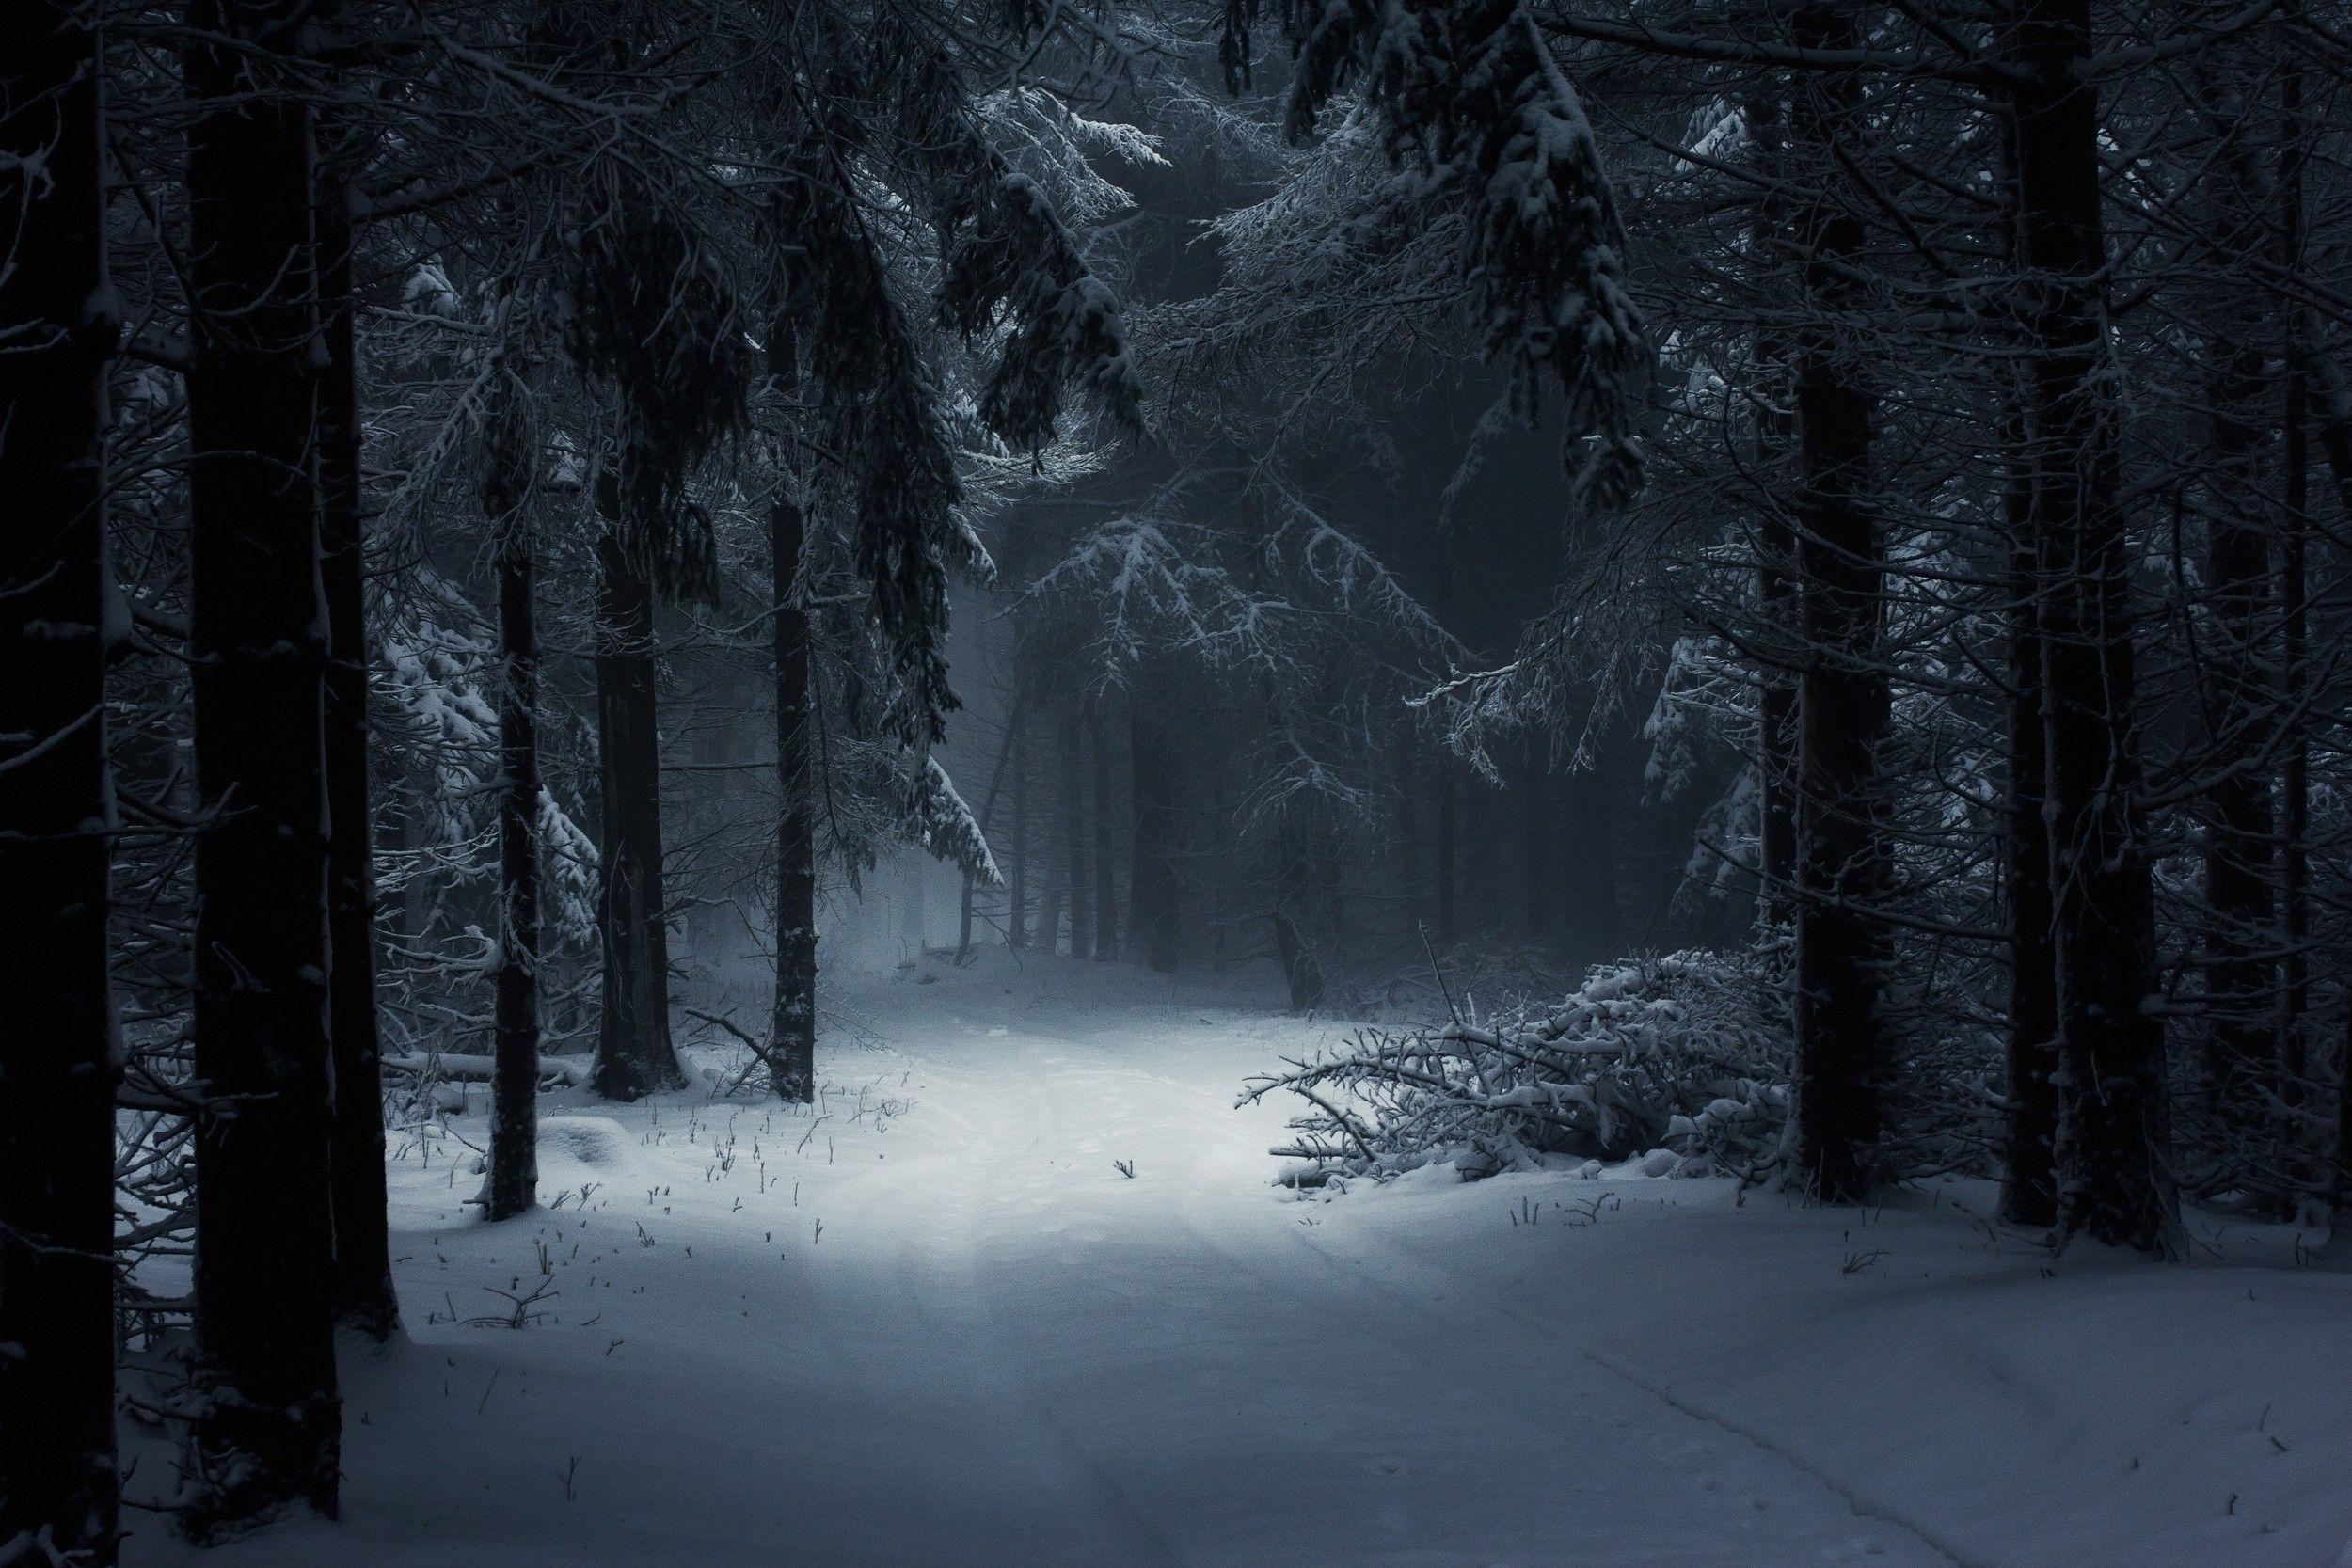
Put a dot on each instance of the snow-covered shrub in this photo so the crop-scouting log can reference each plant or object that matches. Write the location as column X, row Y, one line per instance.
column 1682, row 1060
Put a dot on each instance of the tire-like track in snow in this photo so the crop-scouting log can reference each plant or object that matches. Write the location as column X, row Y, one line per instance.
column 1209, row 1381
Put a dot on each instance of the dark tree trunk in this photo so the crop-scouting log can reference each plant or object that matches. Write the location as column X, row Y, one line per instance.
column 1446, row 871
column 1776, row 736
column 2030, row 1179
column 2238, row 827
column 1155, row 919
column 2328, row 404
column 2029, row 1131
column 1106, row 838
column 1017, row 892
column 1842, row 702
column 1302, row 972
column 363, row 1263
column 419, row 834
column 1540, row 866
column 513, row 1183
column 2233, row 661
column 1408, row 883
column 963, row 919
column 792, row 1044
column 57, row 1061
column 2295, row 792
column 1052, row 878
column 1069, row 733
column 987, row 815
column 634, row 1054
column 2112, row 1139
column 2294, row 797
column 266, row 1431
column 1594, row 918
column 1776, row 563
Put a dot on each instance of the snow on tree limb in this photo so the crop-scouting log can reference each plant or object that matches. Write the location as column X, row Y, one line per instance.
column 1478, row 112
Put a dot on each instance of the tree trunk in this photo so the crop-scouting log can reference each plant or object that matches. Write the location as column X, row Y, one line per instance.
column 987, row 815
column 1776, row 739
column 1842, row 700
column 2233, row 664
column 1069, row 733
column 1054, row 878
column 58, row 1063
column 635, row 1055
column 2030, row 1181
column 2112, row 1139
column 1540, row 866
column 2030, row 1132
column 792, row 1044
column 1154, row 923
column 1593, row 920
column 513, row 1182
column 1408, row 883
column 420, row 835
column 2293, row 810
column 1446, row 873
column 2294, row 800
column 1017, row 891
column 363, row 1264
column 1776, row 562
column 2238, row 828
column 266, row 1431
column 1302, row 974
column 1106, row 838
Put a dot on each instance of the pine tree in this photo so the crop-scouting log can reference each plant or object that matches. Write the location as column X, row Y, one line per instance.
column 658, row 325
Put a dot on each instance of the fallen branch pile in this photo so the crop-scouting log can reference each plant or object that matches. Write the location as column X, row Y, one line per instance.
column 1681, row 1060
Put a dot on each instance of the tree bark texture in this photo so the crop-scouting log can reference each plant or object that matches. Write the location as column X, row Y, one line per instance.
column 2113, row 1184
column 59, row 1057
column 792, row 1046
column 1776, row 556
column 1842, row 695
column 2029, row 1178
column 1154, row 916
column 266, row 1433
column 364, row 1299
column 514, row 1179
column 1070, row 737
column 634, row 1053
column 1097, row 738
column 2233, row 656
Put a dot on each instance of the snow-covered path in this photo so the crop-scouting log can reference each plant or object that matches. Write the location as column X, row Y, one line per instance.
column 1175, row 1367
column 934, row 1323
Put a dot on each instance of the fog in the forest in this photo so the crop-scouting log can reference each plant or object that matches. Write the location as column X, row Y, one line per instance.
column 940, row 783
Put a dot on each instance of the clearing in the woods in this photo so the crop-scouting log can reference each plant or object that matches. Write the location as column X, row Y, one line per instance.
column 937, row 1321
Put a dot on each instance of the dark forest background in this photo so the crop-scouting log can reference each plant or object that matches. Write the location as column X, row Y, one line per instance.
column 1813, row 534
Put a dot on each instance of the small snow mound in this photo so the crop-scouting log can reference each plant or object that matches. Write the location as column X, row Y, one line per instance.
column 1660, row 1161
column 598, row 1142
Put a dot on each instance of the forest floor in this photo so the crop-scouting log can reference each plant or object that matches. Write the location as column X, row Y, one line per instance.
column 933, row 1322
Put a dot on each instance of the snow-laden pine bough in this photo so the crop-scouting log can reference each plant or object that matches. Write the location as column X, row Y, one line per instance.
column 1680, row 1061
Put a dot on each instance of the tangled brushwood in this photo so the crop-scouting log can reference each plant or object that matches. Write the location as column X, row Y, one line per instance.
column 1681, row 1061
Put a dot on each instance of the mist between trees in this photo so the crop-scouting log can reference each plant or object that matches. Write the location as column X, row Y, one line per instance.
column 1834, row 514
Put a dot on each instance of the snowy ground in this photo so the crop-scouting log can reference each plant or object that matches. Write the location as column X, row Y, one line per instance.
column 933, row 1323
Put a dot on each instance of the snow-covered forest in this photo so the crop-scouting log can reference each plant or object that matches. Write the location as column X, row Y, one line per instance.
column 1228, row 782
